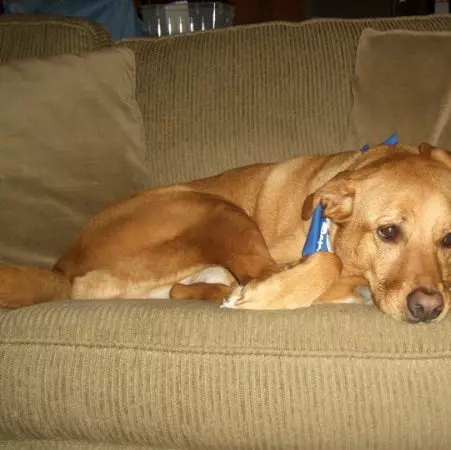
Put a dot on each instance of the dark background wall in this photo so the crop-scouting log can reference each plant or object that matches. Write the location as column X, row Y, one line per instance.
column 253, row 11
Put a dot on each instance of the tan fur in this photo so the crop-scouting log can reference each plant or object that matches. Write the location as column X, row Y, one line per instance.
column 23, row 286
column 253, row 222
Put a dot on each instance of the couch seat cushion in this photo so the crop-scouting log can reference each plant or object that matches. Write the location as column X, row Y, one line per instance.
column 167, row 374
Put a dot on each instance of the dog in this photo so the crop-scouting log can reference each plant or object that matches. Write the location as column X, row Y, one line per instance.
column 237, row 238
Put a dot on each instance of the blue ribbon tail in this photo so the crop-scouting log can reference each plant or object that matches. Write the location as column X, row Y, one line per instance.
column 391, row 140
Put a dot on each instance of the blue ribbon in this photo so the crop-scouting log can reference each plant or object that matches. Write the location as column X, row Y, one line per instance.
column 318, row 234
column 392, row 140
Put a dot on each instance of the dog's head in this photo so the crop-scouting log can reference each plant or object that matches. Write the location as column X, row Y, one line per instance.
column 392, row 216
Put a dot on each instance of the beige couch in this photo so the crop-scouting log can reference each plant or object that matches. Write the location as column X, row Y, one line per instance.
column 166, row 375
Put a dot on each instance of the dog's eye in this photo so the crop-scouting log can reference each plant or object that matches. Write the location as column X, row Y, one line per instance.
column 447, row 241
column 390, row 233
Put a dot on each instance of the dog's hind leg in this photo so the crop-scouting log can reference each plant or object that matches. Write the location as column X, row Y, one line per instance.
column 200, row 291
column 229, row 239
column 208, row 232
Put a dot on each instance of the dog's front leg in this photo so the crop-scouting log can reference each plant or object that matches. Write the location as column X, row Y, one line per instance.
column 347, row 290
column 296, row 287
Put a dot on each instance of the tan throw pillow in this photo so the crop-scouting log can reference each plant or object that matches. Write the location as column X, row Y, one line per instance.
column 71, row 141
column 402, row 83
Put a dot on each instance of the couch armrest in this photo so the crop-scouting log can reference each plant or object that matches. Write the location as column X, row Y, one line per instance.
column 168, row 374
column 30, row 35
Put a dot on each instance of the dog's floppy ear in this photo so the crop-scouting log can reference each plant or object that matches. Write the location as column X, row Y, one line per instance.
column 429, row 151
column 336, row 196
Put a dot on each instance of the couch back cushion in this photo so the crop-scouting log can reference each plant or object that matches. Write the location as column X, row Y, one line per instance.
column 215, row 100
column 25, row 36
column 410, row 92
column 71, row 141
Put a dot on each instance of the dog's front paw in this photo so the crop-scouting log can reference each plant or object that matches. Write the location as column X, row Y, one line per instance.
column 265, row 294
column 245, row 297
column 233, row 300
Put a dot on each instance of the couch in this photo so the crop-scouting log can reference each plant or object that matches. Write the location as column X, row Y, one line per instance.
column 171, row 374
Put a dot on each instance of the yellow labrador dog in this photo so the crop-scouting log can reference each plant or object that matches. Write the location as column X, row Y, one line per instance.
column 238, row 237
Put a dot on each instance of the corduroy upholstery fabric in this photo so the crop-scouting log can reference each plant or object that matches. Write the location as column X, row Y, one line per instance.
column 44, row 444
column 216, row 100
column 167, row 375
column 190, row 375
column 28, row 35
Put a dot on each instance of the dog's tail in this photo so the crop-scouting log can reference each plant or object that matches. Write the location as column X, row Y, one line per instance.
column 24, row 286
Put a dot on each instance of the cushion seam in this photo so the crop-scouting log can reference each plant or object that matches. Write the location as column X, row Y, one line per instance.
column 240, row 351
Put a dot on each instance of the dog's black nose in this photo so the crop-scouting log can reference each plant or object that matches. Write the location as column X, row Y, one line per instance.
column 425, row 304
